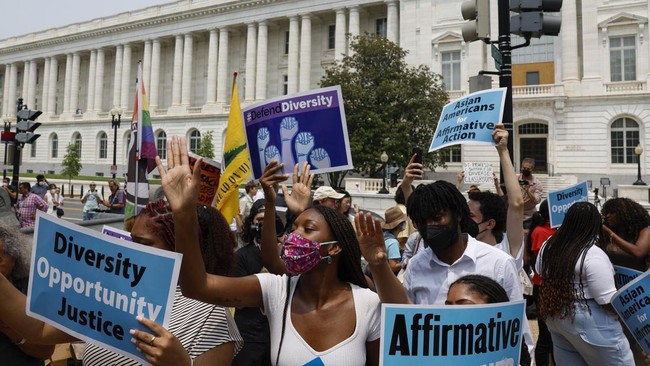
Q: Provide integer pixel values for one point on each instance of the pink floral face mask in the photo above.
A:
(301, 254)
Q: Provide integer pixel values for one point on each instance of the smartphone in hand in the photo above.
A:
(417, 151)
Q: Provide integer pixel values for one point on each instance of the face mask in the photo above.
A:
(301, 254)
(440, 237)
(4, 184)
(256, 230)
(525, 172)
(53, 191)
(42, 183)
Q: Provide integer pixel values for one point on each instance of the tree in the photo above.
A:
(389, 105)
(207, 147)
(71, 162)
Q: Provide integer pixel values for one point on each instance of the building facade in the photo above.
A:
(581, 102)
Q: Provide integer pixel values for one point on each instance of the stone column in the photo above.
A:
(340, 45)
(146, 64)
(31, 86)
(99, 81)
(92, 73)
(13, 77)
(127, 83)
(74, 83)
(178, 71)
(590, 46)
(155, 75)
(186, 91)
(294, 55)
(213, 50)
(392, 20)
(262, 60)
(354, 25)
(117, 80)
(46, 85)
(67, 86)
(51, 93)
(251, 61)
(5, 93)
(25, 82)
(569, 43)
(222, 66)
(305, 53)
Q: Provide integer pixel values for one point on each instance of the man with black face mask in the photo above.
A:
(531, 189)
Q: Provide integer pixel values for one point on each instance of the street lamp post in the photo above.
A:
(115, 124)
(638, 150)
(384, 160)
(7, 131)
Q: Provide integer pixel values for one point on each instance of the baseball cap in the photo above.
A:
(326, 192)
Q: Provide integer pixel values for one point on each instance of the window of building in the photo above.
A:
(624, 137)
(532, 78)
(451, 154)
(195, 141)
(331, 36)
(285, 84)
(451, 70)
(381, 27)
(286, 42)
(622, 58)
(161, 144)
(540, 50)
(32, 151)
(103, 145)
(533, 129)
(76, 139)
(54, 146)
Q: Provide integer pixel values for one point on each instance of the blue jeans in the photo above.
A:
(591, 339)
(89, 215)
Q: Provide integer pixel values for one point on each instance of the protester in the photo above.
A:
(393, 223)
(476, 290)
(414, 245)
(327, 196)
(576, 293)
(59, 211)
(198, 332)
(27, 205)
(52, 199)
(11, 190)
(626, 228)
(15, 254)
(322, 311)
(117, 198)
(41, 186)
(91, 201)
(403, 235)
(246, 202)
(531, 189)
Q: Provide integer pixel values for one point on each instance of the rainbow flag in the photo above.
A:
(142, 152)
(236, 161)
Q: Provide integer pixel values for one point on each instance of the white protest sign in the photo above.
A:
(478, 173)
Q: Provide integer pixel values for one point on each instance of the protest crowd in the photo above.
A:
(326, 282)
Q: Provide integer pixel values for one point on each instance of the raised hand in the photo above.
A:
(263, 138)
(300, 196)
(371, 238)
(303, 145)
(180, 184)
(413, 170)
(320, 159)
(270, 179)
(288, 129)
(500, 136)
(159, 347)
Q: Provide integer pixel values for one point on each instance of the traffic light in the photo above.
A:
(478, 14)
(532, 19)
(25, 126)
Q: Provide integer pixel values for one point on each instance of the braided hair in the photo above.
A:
(349, 267)
(580, 230)
(484, 286)
(631, 215)
(431, 200)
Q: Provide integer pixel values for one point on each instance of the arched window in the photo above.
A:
(624, 136)
(103, 145)
(195, 141)
(54, 146)
(161, 144)
(76, 139)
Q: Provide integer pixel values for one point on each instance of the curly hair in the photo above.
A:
(580, 230)
(349, 266)
(490, 289)
(17, 247)
(631, 215)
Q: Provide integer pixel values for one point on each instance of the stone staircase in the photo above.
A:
(556, 182)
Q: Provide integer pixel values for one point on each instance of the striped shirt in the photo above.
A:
(198, 326)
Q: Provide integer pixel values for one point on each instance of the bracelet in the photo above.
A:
(20, 342)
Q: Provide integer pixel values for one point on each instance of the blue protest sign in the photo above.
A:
(560, 201)
(632, 303)
(92, 286)
(470, 119)
(451, 335)
(623, 275)
(308, 126)
(116, 233)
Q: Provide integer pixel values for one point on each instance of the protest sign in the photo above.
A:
(632, 303)
(560, 201)
(116, 233)
(470, 119)
(623, 275)
(478, 173)
(92, 286)
(308, 126)
(451, 335)
(210, 175)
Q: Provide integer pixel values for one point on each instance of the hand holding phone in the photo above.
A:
(418, 155)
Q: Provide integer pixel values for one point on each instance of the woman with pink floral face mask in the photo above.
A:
(319, 308)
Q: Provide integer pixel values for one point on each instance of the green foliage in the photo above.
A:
(207, 147)
(389, 105)
(71, 162)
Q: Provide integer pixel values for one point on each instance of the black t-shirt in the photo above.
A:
(253, 325)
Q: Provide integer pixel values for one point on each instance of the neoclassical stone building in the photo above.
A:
(581, 102)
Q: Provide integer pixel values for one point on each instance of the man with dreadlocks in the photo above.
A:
(576, 293)
(626, 225)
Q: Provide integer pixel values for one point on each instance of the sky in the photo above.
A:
(40, 15)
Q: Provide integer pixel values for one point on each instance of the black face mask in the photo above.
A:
(526, 173)
(256, 231)
(440, 237)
